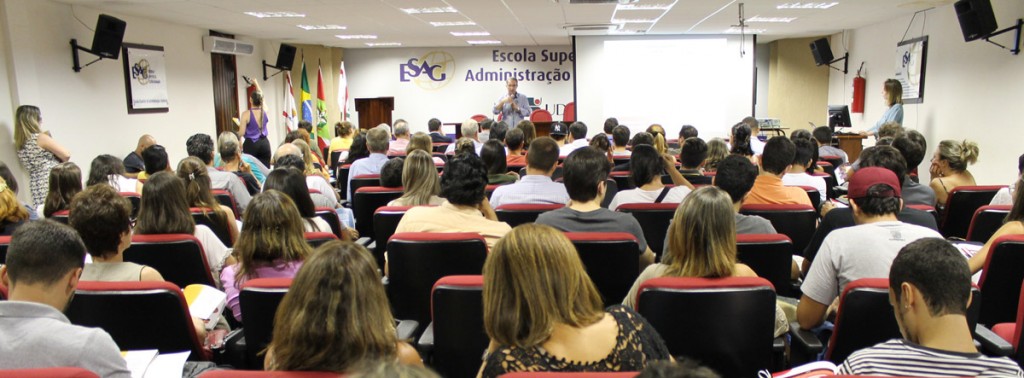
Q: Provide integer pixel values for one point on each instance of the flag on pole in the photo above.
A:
(323, 135)
(289, 98)
(343, 92)
(305, 97)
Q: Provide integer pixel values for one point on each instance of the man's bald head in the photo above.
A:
(144, 142)
(286, 149)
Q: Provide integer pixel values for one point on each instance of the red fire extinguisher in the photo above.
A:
(858, 92)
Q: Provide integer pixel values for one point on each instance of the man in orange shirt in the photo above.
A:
(775, 161)
(514, 142)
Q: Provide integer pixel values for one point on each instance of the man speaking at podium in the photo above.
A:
(513, 107)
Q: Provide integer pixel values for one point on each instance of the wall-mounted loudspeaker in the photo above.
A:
(822, 51)
(285, 57)
(976, 18)
(106, 42)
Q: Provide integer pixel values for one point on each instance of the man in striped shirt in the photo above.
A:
(929, 289)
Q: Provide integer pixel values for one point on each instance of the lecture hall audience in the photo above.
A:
(107, 169)
(201, 146)
(646, 168)
(133, 161)
(290, 181)
(775, 162)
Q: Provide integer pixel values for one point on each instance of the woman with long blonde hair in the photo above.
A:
(543, 313)
(37, 150)
(336, 316)
(702, 244)
(420, 181)
(421, 141)
(308, 158)
(271, 245)
(12, 213)
(949, 168)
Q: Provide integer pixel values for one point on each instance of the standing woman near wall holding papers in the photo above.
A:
(893, 93)
(37, 150)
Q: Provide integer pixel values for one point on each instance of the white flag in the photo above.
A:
(289, 112)
(343, 92)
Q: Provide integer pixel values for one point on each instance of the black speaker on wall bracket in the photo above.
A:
(978, 21)
(285, 58)
(106, 41)
(822, 52)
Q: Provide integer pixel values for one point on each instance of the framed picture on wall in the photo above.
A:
(911, 59)
(145, 78)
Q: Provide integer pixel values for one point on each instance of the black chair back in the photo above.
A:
(179, 258)
(207, 217)
(798, 222)
(366, 201)
(341, 179)
(385, 222)
(864, 318)
(771, 257)
(612, 260)
(611, 188)
(654, 219)
(987, 219)
(136, 201)
(316, 239)
(458, 319)
(361, 181)
(961, 204)
(416, 260)
(225, 198)
(5, 242)
(331, 217)
(1001, 279)
(259, 300)
(517, 214)
(727, 324)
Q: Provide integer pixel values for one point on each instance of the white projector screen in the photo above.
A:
(669, 80)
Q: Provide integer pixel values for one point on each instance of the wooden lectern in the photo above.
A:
(374, 111)
(851, 144)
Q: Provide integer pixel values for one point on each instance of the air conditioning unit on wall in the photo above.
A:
(220, 45)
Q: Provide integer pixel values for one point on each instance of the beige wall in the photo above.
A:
(797, 89)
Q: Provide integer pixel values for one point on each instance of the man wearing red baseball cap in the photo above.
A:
(862, 251)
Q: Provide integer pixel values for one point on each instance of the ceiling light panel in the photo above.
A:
(645, 15)
(807, 5)
(356, 36)
(452, 23)
(771, 19)
(635, 6)
(429, 10)
(275, 14)
(484, 42)
(383, 44)
(471, 34)
(321, 27)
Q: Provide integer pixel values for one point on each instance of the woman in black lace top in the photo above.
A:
(543, 313)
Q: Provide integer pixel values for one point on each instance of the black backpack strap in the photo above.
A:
(664, 193)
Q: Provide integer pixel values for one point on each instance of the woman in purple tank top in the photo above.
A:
(256, 143)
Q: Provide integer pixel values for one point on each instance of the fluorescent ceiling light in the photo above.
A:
(429, 10)
(621, 6)
(452, 23)
(383, 44)
(735, 30)
(356, 36)
(275, 14)
(770, 19)
(484, 42)
(807, 5)
(471, 34)
(321, 27)
(633, 20)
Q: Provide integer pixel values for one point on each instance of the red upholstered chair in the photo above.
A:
(138, 315)
(268, 374)
(830, 184)
(341, 175)
(622, 180)
(1011, 332)
(612, 260)
(385, 222)
(365, 202)
(833, 160)
(771, 257)
(961, 204)
(331, 217)
(796, 221)
(225, 198)
(479, 117)
(540, 115)
(987, 219)
(727, 323)
(416, 260)
(5, 242)
(136, 201)
(517, 214)
(57, 372)
(259, 299)
(60, 216)
(207, 217)
(1001, 279)
(654, 219)
(363, 180)
(627, 374)
(456, 336)
(335, 160)
(928, 209)
(179, 258)
(569, 112)
(316, 239)
(813, 194)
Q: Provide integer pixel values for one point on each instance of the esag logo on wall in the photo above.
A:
(432, 71)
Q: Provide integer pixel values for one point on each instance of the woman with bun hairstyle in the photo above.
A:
(949, 168)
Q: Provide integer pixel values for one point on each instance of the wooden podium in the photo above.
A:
(374, 111)
(851, 144)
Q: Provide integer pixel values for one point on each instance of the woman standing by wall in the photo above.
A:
(37, 150)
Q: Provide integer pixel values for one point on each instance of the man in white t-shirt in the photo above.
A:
(755, 129)
(577, 139)
(862, 251)
(803, 161)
